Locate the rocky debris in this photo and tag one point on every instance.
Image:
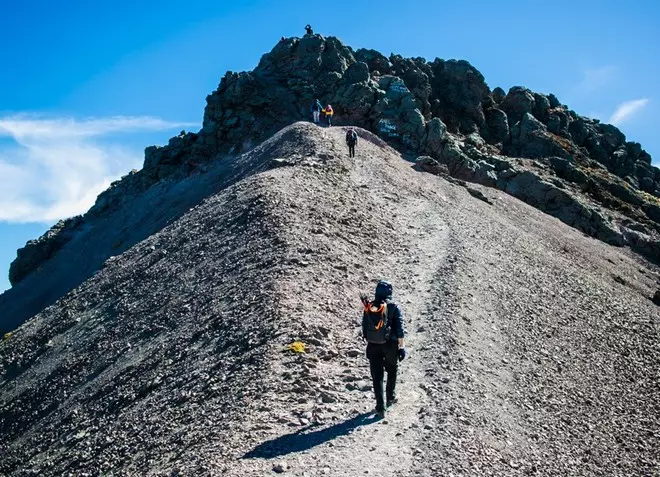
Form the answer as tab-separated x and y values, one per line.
478	195
656	297
35	252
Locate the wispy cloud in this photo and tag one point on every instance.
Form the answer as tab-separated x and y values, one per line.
627	110
594	79
51	168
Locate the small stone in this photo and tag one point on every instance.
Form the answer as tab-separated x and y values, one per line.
281	467
656	298
328	398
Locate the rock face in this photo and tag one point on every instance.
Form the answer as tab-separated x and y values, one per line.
442	108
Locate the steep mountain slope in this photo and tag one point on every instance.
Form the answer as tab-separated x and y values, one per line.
442	112
534	348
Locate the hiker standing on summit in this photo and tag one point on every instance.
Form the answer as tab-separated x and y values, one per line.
382	328
351	141
308	30
328	111
316	108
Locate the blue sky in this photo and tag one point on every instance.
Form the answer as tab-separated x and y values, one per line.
85	86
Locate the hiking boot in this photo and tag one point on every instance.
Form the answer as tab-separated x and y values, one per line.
391	402
380	412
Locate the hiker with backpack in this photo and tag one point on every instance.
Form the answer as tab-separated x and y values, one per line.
328	114
316	108
382	329
351	141
308	30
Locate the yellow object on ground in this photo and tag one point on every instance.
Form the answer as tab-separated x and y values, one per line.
7	336
297	347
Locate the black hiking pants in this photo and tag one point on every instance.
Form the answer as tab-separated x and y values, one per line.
382	358
351	150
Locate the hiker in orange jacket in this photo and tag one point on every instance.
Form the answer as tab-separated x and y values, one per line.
328	111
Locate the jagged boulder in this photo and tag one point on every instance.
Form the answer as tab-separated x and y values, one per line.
435	136
30	257
557	122
530	138
375	60
428	164
462	166
415	74
541	107
498	95
518	102
396	116
458	92
357	73
497	126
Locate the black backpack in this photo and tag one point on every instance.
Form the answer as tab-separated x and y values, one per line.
351	137
378	329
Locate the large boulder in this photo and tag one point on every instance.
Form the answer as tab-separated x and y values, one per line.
557	122
376	61
497	126
518	102
530	138
541	107
415	74
459	90
428	164
498	95
396	116
357	73
436	134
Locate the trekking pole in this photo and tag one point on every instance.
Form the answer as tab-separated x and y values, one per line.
365	300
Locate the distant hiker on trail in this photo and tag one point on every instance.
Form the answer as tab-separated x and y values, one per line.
351	141
382	328
317	107
308	30
328	111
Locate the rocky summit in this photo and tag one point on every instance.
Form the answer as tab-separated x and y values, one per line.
151	335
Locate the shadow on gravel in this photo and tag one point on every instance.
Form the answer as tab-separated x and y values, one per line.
307	438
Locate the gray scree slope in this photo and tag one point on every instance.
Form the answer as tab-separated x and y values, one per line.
533	347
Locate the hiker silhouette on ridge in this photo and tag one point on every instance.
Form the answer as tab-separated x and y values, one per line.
328	111
308	30
351	141
316	108
382	329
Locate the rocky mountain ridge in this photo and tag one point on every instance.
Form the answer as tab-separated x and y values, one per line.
441	113
533	348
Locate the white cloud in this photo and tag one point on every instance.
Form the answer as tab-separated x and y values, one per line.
51	168
594	79
627	109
